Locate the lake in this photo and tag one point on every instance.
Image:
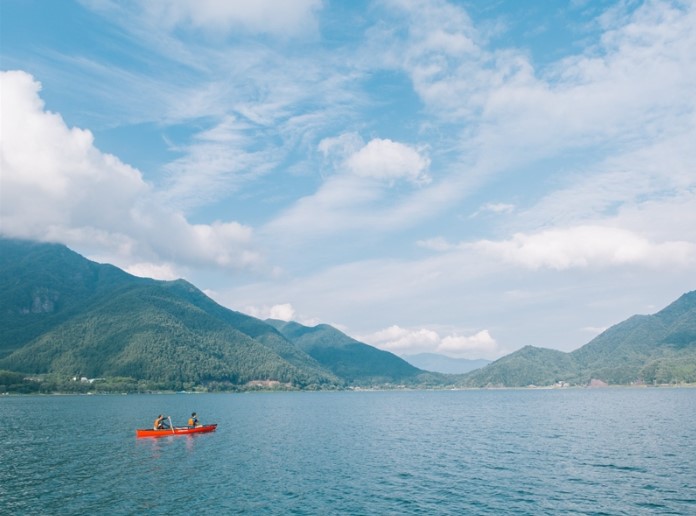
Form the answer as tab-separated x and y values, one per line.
573	451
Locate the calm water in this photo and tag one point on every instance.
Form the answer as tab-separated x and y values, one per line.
611	451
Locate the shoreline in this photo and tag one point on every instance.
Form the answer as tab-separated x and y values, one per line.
356	389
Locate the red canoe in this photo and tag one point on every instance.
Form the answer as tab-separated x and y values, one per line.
177	430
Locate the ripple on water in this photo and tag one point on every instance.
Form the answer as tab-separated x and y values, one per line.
617	451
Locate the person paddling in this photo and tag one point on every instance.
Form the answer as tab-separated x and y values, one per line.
193	421
160	423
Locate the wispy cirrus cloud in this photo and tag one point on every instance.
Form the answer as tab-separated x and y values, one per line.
261	16
493	207
251	104
347	200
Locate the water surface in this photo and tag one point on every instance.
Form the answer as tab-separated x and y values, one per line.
605	451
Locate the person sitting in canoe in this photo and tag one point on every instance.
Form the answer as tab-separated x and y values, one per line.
193	421
160	423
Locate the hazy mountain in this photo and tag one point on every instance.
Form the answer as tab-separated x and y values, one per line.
444	364
351	360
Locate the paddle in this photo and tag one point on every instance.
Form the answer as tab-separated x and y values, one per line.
171	425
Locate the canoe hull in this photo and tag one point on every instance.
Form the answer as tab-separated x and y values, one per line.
177	430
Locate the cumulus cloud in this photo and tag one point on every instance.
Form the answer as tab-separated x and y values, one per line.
405	341
457	345
281	312
389	160
380	159
161	271
401	340
587	246
284	312
57	186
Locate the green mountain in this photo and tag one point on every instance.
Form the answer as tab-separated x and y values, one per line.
659	348
63	316
42	285
347	358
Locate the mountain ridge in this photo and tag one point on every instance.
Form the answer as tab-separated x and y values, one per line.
643	349
62	315
348	358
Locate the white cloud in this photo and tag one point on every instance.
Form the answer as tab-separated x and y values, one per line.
284	312
265	16
593	330
336	150
389	160
587	246
281	312
630	95
480	343
355	196
52	173
56	185
160	271
380	159
401	340
342	145
405	341
332	208
440	54
634	87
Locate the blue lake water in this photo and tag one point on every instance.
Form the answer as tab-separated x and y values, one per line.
584	451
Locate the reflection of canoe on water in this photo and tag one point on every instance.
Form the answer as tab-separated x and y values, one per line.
177	430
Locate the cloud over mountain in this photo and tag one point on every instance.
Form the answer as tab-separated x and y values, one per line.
57	186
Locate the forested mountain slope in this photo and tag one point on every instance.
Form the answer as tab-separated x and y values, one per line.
659	348
352	360
62	314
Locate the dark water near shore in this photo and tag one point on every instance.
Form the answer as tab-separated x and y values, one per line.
605	451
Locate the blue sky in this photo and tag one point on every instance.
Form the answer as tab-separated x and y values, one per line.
457	177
